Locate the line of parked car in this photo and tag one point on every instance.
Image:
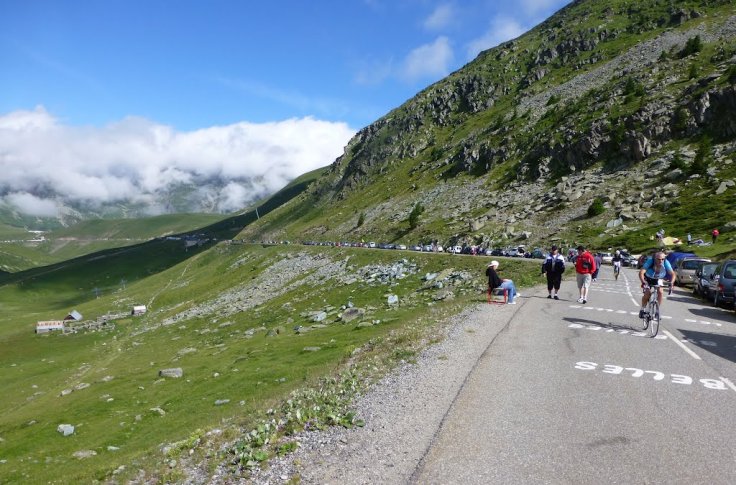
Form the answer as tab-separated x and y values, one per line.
714	281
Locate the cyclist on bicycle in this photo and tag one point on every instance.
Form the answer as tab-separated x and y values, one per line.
616	261
655	267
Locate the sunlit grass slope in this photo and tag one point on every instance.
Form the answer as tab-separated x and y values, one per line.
224	349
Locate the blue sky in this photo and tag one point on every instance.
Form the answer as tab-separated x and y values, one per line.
110	69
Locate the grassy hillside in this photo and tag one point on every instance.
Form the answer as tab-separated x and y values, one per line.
136	229
99	235
228	316
602	87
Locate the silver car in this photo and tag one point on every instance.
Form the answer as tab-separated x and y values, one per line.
686	268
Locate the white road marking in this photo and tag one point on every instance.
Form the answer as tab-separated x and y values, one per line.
729	383
683	346
633	372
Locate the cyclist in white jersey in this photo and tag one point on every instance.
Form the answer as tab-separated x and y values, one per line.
616	261
654	268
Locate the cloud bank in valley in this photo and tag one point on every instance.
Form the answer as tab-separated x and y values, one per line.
42	160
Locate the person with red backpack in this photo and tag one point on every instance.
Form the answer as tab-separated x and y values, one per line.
584	267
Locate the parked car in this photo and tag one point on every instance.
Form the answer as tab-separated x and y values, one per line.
401	246
703	276
685	272
630	260
723	283
606	258
538	254
497	252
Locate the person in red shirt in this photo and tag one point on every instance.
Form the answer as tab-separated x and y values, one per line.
584	267
715	234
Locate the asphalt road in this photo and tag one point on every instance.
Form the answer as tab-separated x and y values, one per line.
572	393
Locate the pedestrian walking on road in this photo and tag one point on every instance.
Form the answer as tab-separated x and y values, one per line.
553	267
584	267
598	263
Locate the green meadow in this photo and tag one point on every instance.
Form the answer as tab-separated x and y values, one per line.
239	356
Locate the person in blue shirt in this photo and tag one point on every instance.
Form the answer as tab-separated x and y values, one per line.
654	268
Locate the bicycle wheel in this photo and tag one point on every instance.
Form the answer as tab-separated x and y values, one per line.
653	318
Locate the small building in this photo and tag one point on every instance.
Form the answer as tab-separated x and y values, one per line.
49	326
138	310
74	315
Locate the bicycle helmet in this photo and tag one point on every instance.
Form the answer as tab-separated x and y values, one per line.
618	253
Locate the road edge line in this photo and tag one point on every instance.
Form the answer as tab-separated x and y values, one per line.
683	346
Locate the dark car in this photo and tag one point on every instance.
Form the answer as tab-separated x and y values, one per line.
538	254
723	283
703	276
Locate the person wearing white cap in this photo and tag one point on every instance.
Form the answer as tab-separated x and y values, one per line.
494	281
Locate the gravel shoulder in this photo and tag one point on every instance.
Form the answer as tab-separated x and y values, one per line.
403	412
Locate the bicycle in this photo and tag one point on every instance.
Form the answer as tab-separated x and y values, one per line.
651	315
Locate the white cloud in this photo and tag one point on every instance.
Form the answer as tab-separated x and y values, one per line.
429	60
442	16
31	205
134	158
500	30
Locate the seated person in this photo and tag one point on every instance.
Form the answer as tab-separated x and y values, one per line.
494	281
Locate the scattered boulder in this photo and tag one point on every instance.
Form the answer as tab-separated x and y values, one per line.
158	411
175	372
724	186
351	314
393	300
318	317
311	349
65	429
220	402
82	454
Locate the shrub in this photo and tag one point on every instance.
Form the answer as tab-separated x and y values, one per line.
634	87
596	207
678	162
692	46
554	99
702	157
680	119
693	72
361	219
414	215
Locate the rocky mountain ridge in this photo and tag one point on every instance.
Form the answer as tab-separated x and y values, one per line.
600	93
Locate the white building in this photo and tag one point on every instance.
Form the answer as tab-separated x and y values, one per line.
49	326
138	310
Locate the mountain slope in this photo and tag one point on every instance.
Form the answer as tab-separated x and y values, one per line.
603	100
